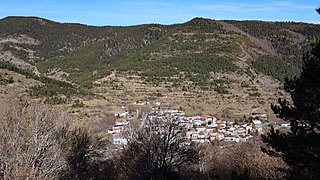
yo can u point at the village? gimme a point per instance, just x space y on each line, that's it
197 129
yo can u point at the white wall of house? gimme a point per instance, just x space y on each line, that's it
121 140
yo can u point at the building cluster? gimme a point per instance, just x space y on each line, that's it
122 125
199 129
209 129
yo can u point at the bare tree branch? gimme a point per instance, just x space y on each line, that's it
31 143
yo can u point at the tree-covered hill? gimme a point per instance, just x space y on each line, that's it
190 51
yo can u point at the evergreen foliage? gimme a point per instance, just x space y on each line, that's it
275 67
300 148
156 52
52 89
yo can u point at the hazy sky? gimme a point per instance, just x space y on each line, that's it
130 12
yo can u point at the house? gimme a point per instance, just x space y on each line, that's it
189 126
210 129
122 123
284 124
249 129
202 128
221 124
229 139
197 122
110 131
245 138
211 121
258 115
122 114
119 139
241 131
220 137
118 128
189 134
194 135
212 136
256 123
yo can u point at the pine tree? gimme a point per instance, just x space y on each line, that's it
300 148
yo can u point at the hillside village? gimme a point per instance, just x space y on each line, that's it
203 99
196 129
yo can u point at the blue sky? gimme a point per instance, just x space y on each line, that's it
131 12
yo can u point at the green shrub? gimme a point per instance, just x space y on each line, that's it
54 100
77 104
221 90
255 94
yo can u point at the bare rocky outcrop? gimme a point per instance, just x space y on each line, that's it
21 39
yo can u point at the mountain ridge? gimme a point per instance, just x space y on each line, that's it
60 39
152 23
198 55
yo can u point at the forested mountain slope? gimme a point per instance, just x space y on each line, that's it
240 62
191 49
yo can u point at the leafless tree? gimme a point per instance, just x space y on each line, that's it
227 112
244 161
31 143
158 151
85 158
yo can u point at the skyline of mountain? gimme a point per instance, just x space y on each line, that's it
102 13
